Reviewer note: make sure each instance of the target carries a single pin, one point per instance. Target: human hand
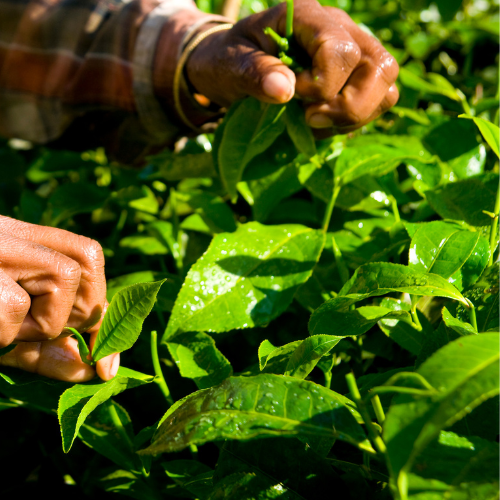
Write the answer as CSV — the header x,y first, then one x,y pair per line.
x,y
349,84
50,279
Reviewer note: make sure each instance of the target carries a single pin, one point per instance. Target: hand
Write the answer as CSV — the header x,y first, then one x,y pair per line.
x,y
349,84
50,279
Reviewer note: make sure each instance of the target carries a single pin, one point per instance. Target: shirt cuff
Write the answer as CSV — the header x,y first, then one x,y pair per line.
x,y
160,41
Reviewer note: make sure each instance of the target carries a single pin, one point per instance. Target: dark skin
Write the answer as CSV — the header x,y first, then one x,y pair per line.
x,y
51,278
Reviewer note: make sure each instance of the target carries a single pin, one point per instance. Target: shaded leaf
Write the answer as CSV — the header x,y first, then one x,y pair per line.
x,y
466,199
262,406
308,353
298,130
197,357
465,373
77,402
489,131
249,130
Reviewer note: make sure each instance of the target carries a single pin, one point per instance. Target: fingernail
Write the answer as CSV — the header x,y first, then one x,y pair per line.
x,y
320,121
114,366
277,86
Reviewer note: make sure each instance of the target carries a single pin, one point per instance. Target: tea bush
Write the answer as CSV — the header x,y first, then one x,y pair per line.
x,y
328,311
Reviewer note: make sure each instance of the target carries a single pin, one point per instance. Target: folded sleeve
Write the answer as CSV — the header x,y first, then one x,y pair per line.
x,y
86,73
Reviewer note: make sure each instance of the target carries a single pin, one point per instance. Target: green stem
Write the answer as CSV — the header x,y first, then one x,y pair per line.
x,y
289,18
472,314
339,259
414,315
330,206
465,104
356,396
119,425
377,407
395,211
177,252
400,390
160,379
281,42
494,229
82,347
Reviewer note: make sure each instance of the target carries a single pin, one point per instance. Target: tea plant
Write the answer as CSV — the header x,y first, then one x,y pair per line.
x,y
328,311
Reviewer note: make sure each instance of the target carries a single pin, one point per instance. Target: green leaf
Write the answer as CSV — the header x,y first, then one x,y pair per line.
x,y
166,296
451,251
143,244
265,349
75,198
404,333
262,406
298,130
484,294
277,360
460,327
379,278
294,469
211,208
466,199
250,485
465,372
128,484
250,129
454,141
489,131
455,459
334,318
123,320
371,159
165,233
191,475
308,353
412,81
99,433
175,167
245,278
77,402
196,356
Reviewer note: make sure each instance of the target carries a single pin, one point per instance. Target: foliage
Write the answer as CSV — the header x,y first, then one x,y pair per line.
x,y
274,266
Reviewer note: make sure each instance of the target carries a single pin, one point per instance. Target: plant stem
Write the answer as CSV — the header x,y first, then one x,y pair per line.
x,y
119,425
395,211
160,379
356,396
177,252
82,347
329,208
494,229
339,259
472,314
377,407
289,18
414,315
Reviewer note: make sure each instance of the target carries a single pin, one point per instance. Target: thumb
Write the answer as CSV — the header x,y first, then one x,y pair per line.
x,y
266,78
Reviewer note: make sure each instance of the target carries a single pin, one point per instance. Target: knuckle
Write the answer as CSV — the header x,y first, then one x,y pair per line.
x,y
69,271
349,52
93,256
388,67
16,303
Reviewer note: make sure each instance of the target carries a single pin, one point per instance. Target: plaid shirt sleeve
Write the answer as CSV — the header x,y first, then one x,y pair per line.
x,y
88,73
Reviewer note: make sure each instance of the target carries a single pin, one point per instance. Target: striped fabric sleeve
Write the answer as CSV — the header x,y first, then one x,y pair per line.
x,y
86,73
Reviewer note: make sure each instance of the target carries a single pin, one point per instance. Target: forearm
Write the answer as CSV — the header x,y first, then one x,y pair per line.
x,y
68,72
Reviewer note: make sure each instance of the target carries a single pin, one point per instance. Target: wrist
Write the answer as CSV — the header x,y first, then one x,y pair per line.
x,y
171,46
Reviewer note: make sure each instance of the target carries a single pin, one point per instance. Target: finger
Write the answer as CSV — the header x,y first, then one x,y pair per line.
x,y
14,306
91,293
107,367
389,100
239,68
51,279
58,359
